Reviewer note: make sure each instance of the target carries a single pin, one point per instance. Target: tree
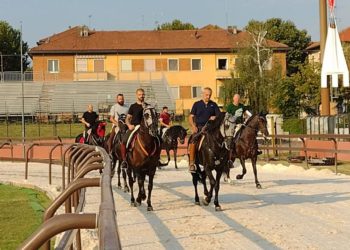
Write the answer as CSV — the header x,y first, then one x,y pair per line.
x,y
253,77
299,92
10,48
286,32
176,24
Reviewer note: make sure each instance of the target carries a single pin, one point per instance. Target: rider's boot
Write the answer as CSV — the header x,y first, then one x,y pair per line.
x,y
258,152
124,164
192,152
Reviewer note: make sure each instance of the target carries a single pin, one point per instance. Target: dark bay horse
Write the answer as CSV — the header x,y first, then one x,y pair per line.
x,y
171,138
246,145
97,136
144,157
115,153
213,155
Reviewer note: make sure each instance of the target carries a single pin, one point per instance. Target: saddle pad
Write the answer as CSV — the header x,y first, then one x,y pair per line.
x,y
132,135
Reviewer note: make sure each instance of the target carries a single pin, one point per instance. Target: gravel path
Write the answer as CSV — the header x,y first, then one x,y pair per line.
x,y
295,209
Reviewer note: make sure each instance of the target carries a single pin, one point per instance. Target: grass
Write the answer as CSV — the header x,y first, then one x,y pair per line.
x,y
21,214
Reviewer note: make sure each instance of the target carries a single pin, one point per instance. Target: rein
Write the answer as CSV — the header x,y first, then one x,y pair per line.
x,y
143,148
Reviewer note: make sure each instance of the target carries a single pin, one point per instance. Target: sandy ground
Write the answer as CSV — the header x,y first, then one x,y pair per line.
x,y
295,209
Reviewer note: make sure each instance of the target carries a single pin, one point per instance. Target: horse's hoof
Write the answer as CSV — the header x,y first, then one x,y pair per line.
x,y
197,203
149,208
126,190
138,204
218,209
258,186
133,204
143,197
205,202
239,177
119,187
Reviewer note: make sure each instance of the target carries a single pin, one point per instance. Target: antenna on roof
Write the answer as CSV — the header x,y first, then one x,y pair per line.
x,y
90,20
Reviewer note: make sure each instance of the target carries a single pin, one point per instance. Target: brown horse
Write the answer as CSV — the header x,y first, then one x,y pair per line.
x,y
144,157
246,145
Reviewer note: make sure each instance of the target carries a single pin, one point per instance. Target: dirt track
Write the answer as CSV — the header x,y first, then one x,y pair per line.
x,y
296,209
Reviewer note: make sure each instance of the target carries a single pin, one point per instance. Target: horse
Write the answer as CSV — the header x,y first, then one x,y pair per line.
x,y
170,140
96,137
115,154
246,145
213,154
144,157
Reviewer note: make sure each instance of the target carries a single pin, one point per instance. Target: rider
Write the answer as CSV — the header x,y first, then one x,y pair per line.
x,y
133,119
118,112
89,118
202,111
164,120
240,114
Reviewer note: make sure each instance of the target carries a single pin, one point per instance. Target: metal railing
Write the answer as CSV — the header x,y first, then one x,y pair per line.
x,y
80,160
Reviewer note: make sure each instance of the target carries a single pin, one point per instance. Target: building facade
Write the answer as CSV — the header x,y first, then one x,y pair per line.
x,y
187,60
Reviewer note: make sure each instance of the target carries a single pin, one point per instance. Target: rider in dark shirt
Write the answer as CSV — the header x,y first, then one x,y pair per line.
x,y
202,111
133,119
89,119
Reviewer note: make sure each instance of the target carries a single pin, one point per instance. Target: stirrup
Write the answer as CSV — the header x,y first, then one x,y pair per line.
x,y
124,165
192,168
230,164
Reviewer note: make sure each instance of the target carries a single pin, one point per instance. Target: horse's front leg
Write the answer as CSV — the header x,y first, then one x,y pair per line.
x,y
131,184
244,169
211,178
168,155
141,195
126,188
118,173
195,182
150,187
217,187
257,183
175,152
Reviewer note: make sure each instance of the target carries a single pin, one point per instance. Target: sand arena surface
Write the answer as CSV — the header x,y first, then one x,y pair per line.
x,y
295,209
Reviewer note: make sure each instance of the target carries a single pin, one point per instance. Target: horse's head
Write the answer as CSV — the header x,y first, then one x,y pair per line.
x,y
227,129
182,135
262,124
150,120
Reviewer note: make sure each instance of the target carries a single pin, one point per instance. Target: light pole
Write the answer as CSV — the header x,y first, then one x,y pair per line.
x,y
2,67
325,92
23,123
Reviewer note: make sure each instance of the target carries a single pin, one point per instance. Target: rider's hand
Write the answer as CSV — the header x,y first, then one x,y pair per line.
x,y
194,129
131,127
212,117
88,125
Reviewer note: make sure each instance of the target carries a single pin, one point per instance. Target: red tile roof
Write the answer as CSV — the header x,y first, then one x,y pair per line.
x,y
70,41
345,35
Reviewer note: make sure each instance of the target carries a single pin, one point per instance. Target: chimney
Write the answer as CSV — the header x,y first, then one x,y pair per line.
x,y
84,31
232,29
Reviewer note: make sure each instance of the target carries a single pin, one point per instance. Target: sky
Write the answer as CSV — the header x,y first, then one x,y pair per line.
x,y
42,18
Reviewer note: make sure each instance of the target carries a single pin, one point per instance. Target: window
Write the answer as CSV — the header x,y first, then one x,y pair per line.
x,y
222,64
196,64
150,65
196,92
126,65
81,65
175,92
52,66
173,64
99,65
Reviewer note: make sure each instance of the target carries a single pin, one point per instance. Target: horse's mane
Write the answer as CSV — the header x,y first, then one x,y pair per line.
x,y
213,125
251,118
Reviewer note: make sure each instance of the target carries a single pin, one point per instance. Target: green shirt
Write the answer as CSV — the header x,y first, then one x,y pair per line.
x,y
237,111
